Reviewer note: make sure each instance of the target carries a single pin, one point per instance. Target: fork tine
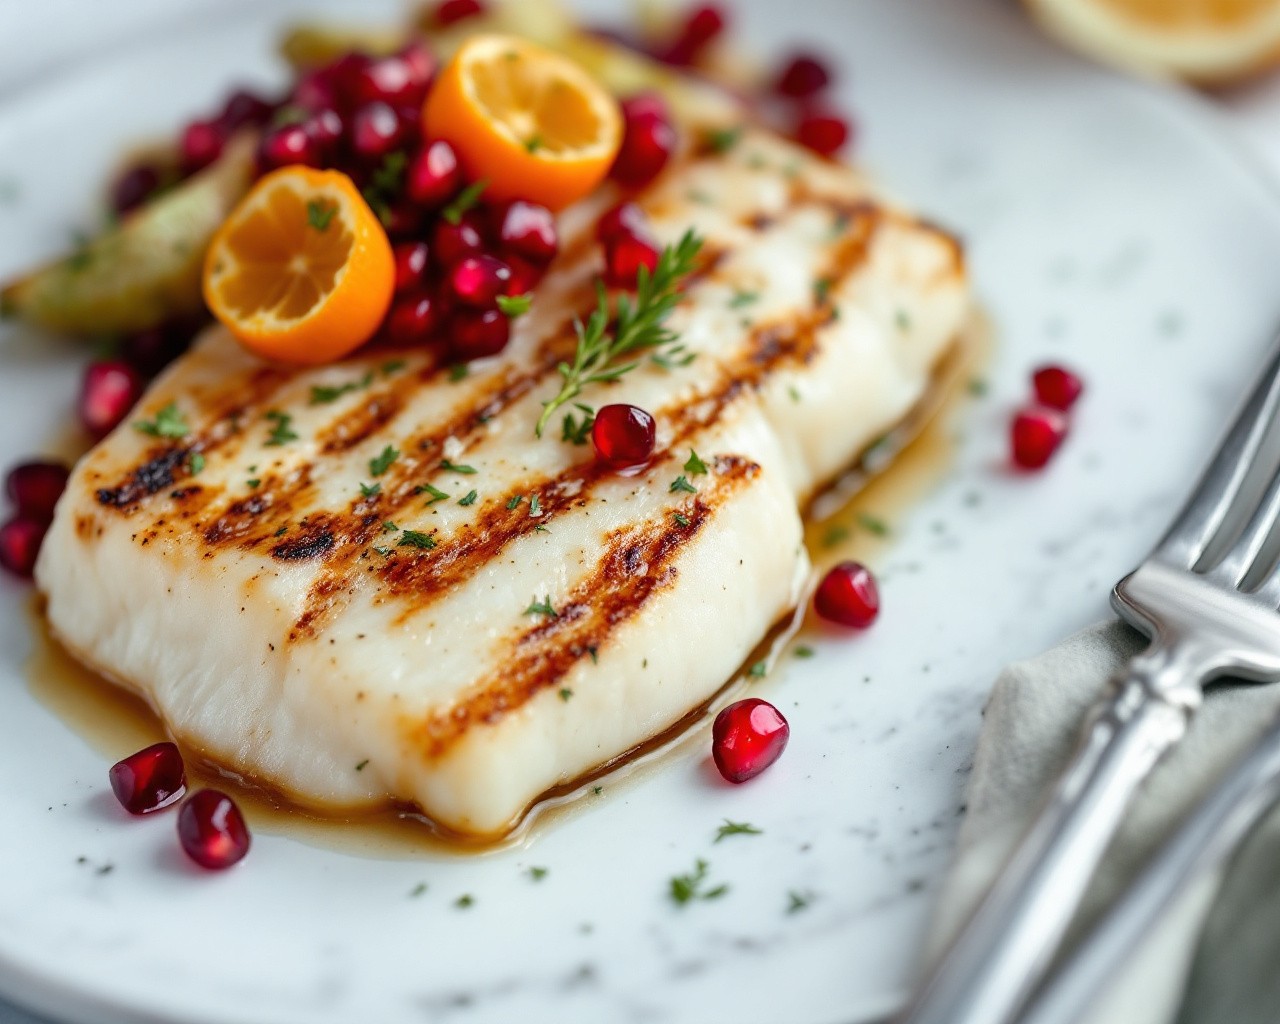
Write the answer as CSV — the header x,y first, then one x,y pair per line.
x,y
1207,509
1237,562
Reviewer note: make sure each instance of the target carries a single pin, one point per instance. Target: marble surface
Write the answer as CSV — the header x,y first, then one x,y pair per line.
x,y
1125,230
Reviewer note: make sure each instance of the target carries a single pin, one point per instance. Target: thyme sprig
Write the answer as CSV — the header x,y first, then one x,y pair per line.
x,y
631,326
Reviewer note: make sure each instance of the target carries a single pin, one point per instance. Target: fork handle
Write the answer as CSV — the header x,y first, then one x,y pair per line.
x,y
987,973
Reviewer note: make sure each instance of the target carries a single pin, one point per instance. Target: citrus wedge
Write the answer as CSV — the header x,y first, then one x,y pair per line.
x,y
302,271
1206,41
529,122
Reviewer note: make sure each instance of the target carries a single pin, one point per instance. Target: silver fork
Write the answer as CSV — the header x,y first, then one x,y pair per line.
x,y
1207,597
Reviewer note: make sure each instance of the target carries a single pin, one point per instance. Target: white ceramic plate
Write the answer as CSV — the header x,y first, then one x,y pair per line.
x,y
1110,225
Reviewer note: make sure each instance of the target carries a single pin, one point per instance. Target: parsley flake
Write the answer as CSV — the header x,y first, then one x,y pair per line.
x,y
575,431
514,503
798,901
684,888
515,305
168,422
821,290
736,828
253,484
543,607
435,492
721,140
418,890
393,367
466,199
804,651
681,519
281,430
414,539
742,299
873,524
469,499
535,509
452,467
322,394
458,371
695,466
681,484
195,463
384,461
320,213
362,765
759,670
537,874
566,694
464,901
370,490
389,527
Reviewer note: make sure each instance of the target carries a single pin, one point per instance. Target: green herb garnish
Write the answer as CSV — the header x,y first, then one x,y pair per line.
x,y
453,467
681,484
736,828
168,422
320,213
695,466
281,430
466,199
469,499
543,607
414,539
685,888
384,461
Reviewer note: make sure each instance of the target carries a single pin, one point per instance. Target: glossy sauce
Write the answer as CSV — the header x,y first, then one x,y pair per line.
x,y
843,524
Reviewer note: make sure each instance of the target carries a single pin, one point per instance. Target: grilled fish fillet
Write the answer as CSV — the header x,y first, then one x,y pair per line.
x,y
317,616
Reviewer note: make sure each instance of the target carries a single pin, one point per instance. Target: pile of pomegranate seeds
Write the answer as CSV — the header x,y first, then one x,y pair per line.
x,y
33,489
747,737
1038,429
211,829
848,596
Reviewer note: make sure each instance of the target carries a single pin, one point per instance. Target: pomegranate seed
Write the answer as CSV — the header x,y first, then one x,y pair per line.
x,y
433,175
108,392
244,107
35,487
623,436
701,27
341,77
479,280
454,242
528,230
822,131
288,144
201,145
524,276
802,77
134,187
375,131
1036,433
475,333
150,779
450,12
1057,387
747,737
411,264
326,128
647,141
315,91
401,79
848,596
412,320
623,219
20,540
212,830
624,255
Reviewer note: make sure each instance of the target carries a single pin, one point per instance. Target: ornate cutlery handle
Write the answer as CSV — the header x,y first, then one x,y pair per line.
x,y
999,956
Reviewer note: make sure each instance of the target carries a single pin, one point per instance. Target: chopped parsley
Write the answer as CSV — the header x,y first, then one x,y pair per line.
x,y
543,607
566,694
389,527
323,395
758,670
614,331
384,461
736,828
435,492
681,484
458,371
168,422
464,901
695,466
872,524
821,290
902,319
370,490
452,467
535,509
533,143
253,484
721,140
537,874
393,366
515,305
418,890
742,299
514,503
466,199
578,431
684,888
836,534
281,429
362,765
597,790
804,651
414,539
195,463
469,499
320,213
798,901
681,519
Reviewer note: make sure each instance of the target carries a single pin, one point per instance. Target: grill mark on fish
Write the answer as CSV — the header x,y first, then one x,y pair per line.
x,y
637,564
153,476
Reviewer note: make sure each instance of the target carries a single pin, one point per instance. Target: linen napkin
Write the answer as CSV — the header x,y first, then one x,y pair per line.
x,y
1215,958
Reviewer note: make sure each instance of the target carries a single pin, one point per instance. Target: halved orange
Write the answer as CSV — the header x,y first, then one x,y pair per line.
x,y
1204,41
531,123
302,271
